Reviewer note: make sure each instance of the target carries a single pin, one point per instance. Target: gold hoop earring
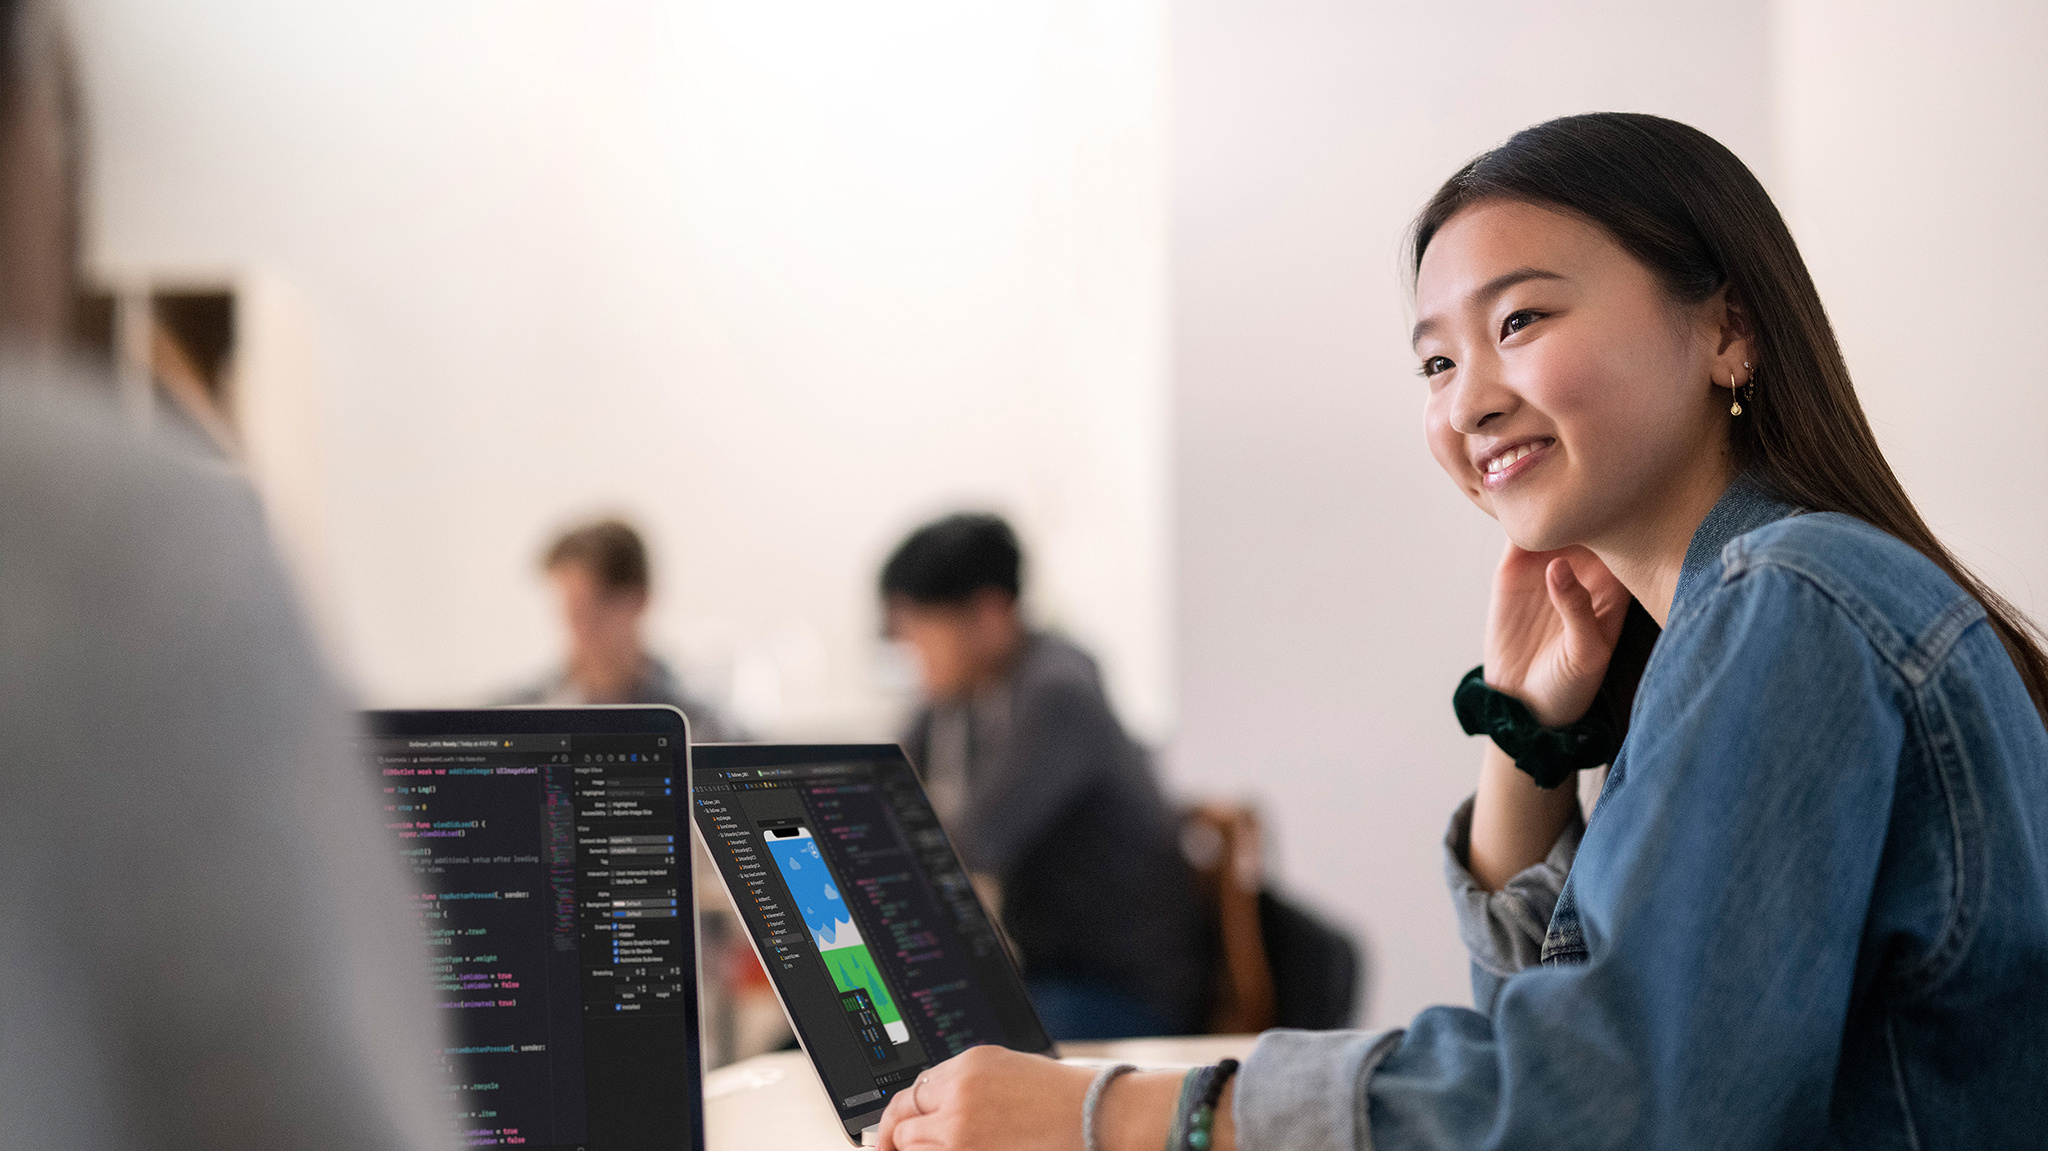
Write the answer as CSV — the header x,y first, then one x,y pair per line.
x,y
1737,392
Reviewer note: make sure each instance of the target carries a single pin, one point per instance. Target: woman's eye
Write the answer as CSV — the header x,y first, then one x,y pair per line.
x,y
1436,364
1516,321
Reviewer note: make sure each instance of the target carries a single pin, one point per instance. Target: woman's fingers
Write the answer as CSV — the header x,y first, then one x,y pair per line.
x,y
988,1099
928,1115
900,1118
1574,603
905,1136
892,1117
1571,598
1520,619
1522,569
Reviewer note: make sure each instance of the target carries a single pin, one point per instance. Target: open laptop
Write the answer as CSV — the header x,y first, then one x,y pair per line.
x,y
883,958
552,857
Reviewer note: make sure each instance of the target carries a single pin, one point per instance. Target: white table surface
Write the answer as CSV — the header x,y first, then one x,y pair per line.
x,y
774,1102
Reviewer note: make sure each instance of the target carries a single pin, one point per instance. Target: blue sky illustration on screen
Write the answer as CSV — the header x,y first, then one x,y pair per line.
x,y
840,945
810,884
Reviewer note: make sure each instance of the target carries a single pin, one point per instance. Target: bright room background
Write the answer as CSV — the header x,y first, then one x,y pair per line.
x,y
779,278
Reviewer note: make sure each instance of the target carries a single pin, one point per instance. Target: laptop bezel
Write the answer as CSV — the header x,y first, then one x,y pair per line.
x,y
594,719
791,754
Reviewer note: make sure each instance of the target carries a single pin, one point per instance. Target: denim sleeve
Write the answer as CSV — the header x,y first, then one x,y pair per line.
x,y
1720,900
1503,930
1304,1089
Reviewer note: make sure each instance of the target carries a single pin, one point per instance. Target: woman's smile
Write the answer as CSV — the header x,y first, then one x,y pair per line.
x,y
1503,466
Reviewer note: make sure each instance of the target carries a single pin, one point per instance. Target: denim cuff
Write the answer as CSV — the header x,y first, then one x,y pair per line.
x,y
1305,1090
1504,929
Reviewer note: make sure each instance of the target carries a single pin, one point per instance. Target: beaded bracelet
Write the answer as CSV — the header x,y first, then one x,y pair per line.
x,y
1190,1090
1194,1120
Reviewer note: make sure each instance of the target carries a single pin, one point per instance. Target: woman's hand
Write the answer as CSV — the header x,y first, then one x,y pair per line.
x,y
995,1099
1554,622
989,1099
1551,630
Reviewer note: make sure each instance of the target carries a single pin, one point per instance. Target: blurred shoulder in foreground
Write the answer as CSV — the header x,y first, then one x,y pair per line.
x,y
202,942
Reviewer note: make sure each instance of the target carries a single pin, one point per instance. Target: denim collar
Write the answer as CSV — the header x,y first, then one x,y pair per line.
x,y
1743,508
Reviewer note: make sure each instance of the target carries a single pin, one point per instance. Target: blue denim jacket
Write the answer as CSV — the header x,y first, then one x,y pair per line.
x,y
1810,908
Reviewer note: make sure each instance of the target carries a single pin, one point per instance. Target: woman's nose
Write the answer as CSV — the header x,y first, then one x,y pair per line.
x,y
1478,401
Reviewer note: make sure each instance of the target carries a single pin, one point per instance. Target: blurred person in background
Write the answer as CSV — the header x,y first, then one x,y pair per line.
x,y
203,940
600,575
1054,809
602,580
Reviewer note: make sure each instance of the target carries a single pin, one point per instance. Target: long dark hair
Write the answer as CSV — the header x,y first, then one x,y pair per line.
x,y
1686,207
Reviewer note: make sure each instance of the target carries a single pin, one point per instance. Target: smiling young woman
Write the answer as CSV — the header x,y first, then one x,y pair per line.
x,y
1813,907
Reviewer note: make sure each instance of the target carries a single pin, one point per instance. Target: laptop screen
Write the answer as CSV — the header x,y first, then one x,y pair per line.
x,y
553,880
861,912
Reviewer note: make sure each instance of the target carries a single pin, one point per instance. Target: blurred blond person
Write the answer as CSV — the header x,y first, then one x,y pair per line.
x,y
600,576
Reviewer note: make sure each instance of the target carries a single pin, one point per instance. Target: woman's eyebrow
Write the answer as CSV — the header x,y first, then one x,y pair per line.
x,y
1485,295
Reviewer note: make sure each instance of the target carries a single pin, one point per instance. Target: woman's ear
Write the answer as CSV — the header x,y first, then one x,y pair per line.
x,y
1733,339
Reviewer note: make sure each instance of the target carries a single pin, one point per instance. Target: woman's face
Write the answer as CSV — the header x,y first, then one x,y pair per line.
x,y
1568,396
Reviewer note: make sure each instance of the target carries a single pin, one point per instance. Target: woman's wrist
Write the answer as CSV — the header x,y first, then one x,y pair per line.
x,y
1137,1112
1091,1104
1561,708
1514,822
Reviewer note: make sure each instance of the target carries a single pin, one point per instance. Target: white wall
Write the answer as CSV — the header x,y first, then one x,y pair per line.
x,y
1331,582
1912,158
776,278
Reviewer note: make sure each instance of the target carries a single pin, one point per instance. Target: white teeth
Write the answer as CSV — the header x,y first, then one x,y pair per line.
x,y
1507,459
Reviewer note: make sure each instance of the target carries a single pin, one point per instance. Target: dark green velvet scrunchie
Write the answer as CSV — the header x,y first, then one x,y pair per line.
x,y
1549,754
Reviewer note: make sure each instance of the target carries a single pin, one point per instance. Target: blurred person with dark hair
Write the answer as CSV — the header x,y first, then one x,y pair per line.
x,y
1052,806
601,578
203,940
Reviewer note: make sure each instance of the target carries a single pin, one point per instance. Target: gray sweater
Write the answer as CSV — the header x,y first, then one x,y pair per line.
x,y
202,941
1062,808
